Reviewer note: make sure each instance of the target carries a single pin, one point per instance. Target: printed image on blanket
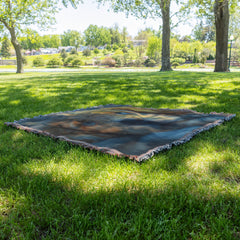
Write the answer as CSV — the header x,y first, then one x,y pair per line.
x,y
133,132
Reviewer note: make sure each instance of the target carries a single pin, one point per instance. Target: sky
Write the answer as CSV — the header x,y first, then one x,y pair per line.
x,y
88,13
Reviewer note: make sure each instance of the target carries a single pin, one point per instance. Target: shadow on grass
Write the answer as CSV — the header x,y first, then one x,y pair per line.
x,y
106,197
34,95
45,204
49,208
31,95
55,92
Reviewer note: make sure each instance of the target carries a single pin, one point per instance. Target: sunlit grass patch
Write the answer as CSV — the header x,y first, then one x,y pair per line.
x,y
52,190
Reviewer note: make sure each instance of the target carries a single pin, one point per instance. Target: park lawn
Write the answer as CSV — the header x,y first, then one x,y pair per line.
x,y
52,190
8,67
89,60
45,57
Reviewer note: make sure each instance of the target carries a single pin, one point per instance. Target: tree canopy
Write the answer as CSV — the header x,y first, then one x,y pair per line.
x,y
22,13
17,15
71,38
5,49
234,25
97,36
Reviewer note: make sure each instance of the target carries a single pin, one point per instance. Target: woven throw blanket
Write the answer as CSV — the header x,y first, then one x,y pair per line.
x,y
125,131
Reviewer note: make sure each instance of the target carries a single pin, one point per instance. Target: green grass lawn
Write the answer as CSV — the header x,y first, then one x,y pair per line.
x,y
52,190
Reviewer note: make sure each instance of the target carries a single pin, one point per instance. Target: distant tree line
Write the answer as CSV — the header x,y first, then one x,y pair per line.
x,y
195,48
93,36
17,15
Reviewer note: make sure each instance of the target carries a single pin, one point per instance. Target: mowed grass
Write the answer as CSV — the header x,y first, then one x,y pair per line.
x,y
52,190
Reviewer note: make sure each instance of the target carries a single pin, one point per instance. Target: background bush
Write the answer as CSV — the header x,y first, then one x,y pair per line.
x,y
109,62
76,62
150,62
175,64
109,48
73,61
115,46
38,62
97,62
86,52
105,51
54,62
178,60
138,62
63,54
24,60
74,51
119,60
68,60
125,50
96,50
118,52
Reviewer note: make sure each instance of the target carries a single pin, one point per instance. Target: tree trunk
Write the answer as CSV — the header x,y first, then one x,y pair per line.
x,y
165,8
17,48
221,12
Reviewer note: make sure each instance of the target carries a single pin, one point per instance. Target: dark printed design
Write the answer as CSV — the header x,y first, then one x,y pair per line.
x,y
137,133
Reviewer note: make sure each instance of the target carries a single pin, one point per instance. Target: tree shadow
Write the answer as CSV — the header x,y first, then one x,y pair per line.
x,y
51,209
162,198
71,91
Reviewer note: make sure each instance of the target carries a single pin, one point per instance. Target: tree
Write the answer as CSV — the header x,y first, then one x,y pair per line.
x,y
234,25
124,35
51,41
221,10
144,9
72,38
5,49
144,35
15,15
31,41
165,9
115,35
186,38
154,48
63,54
97,36
205,32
